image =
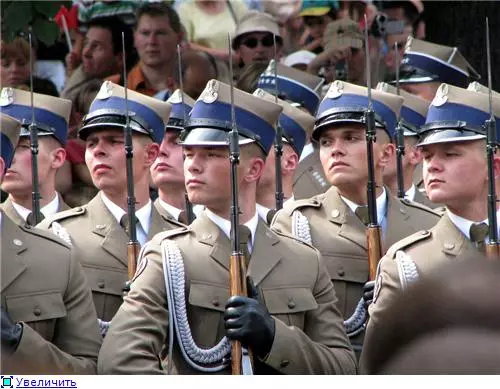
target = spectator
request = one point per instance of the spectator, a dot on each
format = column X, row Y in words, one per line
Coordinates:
column 254, row 38
column 249, row 76
column 207, row 23
column 102, row 54
column 299, row 59
column 316, row 15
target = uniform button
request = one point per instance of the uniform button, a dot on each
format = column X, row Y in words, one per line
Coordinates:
column 402, row 210
column 17, row 242
column 449, row 246
column 215, row 302
column 335, row 213
column 37, row 311
column 284, row 363
column 291, row 304
column 100, row 284
column 341, row 272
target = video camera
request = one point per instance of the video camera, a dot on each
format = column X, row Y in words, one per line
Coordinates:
column 382, row 26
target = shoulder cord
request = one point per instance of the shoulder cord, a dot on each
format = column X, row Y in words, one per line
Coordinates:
column 407, row 269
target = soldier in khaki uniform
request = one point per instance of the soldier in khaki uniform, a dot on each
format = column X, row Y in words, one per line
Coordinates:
column 302, row 90
column 49, row 324
column 413, row 114
column 51, row 118
column 296, row 126
column 293, row 326
column 97, row 231
column 167, row 172
column 329, row 221
column 455, row 174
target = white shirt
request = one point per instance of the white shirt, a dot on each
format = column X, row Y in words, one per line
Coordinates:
column 49, row 209
column 225, row 225
column 464, row 224
column 143, row 215
column 381, row 209
column 174, row 211
column 306, row 151
column 263, row 211
column 410, row 193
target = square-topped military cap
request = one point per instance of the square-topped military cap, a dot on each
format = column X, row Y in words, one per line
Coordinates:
column 294, row 86
column 346, row 103
column 413, row 112
column 256, row 21
column 182, row 104
column 477, row 87
column 456, row 115
column 51, row 113
column 9, row 136
column 343, row 33
column 426, row 62
column 147, row 115
column 210, row 120
column 296, row 125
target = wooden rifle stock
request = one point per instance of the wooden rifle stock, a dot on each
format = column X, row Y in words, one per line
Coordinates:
column 235, row 289
column 132, row 254
column 374, row 249
column 492, row 250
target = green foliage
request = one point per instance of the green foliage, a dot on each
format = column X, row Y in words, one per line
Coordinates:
column 18, row 16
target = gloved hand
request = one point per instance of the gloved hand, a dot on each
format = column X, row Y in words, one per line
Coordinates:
column 368, row 289
column 11, row 333
column 246, row 319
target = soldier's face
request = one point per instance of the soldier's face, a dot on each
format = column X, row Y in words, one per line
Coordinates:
column 411, row 158
column 425, row 90
column 18, row 178
column 168, row 169
column 106, row 161
column 455, row 174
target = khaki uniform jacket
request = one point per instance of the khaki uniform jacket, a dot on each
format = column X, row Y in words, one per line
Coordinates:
column 340, row 236
column 44, row 287
column 290, row 276
column 12, row 213
column 309, row 179
column 101, row 246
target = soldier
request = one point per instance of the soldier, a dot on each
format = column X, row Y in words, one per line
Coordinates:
column 296, row 127
column 297, row 331
column 51, row 117
column 413, row 114
column 301, row 90
column 477, row 87
column 167, row 172
column 332, row 221
column 49, row 324
column 97, row 231
column 455, row 174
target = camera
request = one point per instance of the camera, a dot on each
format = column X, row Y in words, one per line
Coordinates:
column 341, row 70
column 382, row 26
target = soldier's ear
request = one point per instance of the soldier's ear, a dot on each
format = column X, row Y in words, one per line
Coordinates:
column 255, row 169
column 2, row 169
column 496, row 164
column 151, row 153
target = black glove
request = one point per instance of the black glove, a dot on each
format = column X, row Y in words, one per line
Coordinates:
column 368, row 289
column 11, row 333
column 246, row 319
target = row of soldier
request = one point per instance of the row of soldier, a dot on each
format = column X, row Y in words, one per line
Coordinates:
column 307, row 263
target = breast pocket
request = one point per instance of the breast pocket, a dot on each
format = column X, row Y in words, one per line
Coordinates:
column 206, row 310
column 290, row 304
column 39, row 310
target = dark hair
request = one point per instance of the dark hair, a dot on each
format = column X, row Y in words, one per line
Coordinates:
column 409, row 10
column 160, row 10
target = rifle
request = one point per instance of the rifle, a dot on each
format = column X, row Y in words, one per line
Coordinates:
column 400, row 140
column 278, row 144
column 189, row 205
column 493, row 246
column 373, row 229
column 133, row 244
column 35, row 190
column 237, row 266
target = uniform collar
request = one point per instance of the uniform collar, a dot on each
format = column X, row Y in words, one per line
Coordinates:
column 143, row 214
column 48, row 210
column 464, row 224
column 174, row 211
column 225, row 225
column 381, row 205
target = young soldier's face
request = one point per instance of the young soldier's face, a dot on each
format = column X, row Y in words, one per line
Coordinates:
column 455, row 173
column 168, row 169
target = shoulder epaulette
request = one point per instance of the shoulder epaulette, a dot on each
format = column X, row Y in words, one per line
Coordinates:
column 423, row 207
column 293, row 238
column 45, row 235
column 158, row 238
column 408, row 241
column 63, row 215
column 314, row 202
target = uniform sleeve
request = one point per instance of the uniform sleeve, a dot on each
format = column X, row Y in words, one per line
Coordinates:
column 322, row 347
column 76, row 342
column 387, row 287
column 139, row 329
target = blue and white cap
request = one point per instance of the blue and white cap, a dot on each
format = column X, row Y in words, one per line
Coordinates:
column 295, row 86
column 413, row 112
column 51, row 113
column 456, row 115
column 296, row 125
column 9, row 136
column 426, row 62
column 346, row 103
column 147, row 115
column 210, row 119
column 182, row 104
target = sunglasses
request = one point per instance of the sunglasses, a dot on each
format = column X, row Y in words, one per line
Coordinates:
column 266, row 41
